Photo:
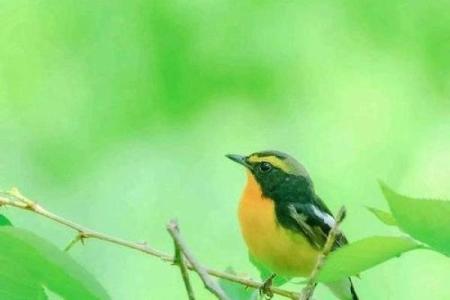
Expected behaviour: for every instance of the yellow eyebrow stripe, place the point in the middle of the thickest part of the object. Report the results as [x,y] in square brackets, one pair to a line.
[273,160]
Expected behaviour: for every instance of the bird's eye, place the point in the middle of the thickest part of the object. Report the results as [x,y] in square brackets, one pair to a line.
[265,167]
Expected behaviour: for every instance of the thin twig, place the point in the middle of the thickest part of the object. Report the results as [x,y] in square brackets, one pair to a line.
[78,238]
[17,200]
[210,284]
[179,260]
[308,290]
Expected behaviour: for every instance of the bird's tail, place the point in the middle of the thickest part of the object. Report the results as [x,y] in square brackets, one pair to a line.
[344,289]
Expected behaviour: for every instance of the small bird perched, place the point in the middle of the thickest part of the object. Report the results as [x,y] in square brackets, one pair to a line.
[283,221]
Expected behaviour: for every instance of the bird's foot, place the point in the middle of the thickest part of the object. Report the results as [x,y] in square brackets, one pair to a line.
[265,288]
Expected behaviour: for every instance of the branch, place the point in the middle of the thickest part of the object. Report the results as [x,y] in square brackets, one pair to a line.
[210,284]
[15,199]
[308,290]
[179,260]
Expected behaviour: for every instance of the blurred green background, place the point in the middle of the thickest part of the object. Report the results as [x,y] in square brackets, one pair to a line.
[117,114]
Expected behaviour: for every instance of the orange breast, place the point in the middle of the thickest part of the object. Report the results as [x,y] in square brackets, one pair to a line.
[282,251]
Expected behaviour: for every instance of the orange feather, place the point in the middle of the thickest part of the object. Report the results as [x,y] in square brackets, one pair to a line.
[282,251]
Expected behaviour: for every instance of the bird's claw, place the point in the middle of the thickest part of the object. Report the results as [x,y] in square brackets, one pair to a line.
[265,288]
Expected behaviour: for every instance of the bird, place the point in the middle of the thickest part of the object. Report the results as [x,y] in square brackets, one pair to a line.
[283,221]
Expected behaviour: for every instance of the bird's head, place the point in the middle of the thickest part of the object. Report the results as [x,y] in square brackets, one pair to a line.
[272,169]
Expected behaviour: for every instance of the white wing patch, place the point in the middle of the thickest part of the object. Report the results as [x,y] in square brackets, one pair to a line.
[326,218]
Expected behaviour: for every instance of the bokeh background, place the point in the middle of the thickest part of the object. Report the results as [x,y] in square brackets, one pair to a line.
[117,114]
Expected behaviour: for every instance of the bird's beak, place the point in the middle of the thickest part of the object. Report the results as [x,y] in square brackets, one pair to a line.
[240,159]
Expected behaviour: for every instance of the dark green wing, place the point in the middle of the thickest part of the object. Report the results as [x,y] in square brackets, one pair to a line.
[313,220]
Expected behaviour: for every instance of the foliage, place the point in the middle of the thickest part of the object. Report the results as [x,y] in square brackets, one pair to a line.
[4,221]
[16,283]
[30,262]
[424,219]
[362,255]
[383,216]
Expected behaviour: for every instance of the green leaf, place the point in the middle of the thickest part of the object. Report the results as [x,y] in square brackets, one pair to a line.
[45,264]
[362,255]
[425,220]
[4,221]
[383,216]
[17,283]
